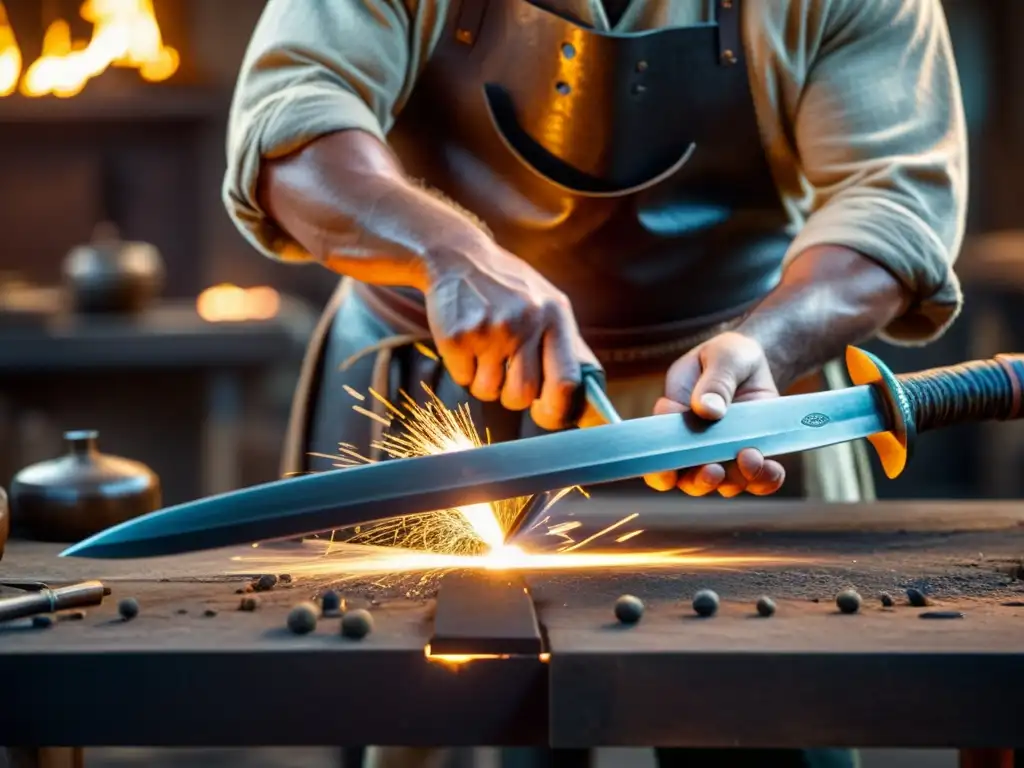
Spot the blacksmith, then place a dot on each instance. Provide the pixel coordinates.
(710, 198)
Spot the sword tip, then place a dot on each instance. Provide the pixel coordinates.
(81, 549)
(105, 545)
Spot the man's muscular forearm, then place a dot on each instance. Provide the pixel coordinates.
(345, 199)
(502, 330)
(829, 297)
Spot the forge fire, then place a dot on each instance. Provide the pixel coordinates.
(125, 34)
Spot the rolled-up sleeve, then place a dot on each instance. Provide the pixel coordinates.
(881, 139)
(315, 67)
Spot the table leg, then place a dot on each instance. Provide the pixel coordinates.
(351, 757)
(986, 758)
(222, 433)
(544, 757)
(45, 757)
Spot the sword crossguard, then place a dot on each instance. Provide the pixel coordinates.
(894, 447)
(982, 390)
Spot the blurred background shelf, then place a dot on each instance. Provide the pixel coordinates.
(206, 404)
(142, 103)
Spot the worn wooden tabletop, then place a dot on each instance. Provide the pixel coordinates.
(813, 665)
(964, 555)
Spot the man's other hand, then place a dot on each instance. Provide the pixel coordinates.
(729, 368)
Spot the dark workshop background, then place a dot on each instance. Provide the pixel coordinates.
(205, 403)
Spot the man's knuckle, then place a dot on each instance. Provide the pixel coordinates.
(522, 320)
(556, 305)
(533, 314)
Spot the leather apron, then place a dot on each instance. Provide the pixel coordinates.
(626, 168)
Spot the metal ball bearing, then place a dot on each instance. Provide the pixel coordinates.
(848, 601)
(705, 603)
(330, 602)
(302, 618)
(249, 603)
(629, 609)
(128, 608)
(356, 624)
(765, 607)
(917, 598)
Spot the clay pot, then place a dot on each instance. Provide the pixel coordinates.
(109, 275)
(81, 493)
(5, 522)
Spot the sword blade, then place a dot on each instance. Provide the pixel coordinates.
(341, 498)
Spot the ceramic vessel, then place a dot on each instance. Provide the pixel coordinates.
(109, 275)
(81, 493)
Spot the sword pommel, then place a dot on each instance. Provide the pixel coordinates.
(983, 390)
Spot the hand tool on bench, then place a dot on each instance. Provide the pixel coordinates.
(52, 599)
(889, 410)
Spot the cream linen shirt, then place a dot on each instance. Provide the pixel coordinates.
(858, 103)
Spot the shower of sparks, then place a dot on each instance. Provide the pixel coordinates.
(468, 537)
(423, 429)
(367, 561)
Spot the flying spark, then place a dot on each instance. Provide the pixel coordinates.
(468, 537)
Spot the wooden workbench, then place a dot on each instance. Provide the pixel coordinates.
(806, 677)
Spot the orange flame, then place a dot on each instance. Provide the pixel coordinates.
(125, 34)
(10, 56)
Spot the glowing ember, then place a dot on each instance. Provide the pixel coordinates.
(455, 660)
(125, 34)
(470, 537)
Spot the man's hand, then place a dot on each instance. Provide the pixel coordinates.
(505, 332)
(729, 368)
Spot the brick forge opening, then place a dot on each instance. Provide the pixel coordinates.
(122, 148)
(126, 149)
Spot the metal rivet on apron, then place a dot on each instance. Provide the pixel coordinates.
(568, 50)
(728, 56)
(641, 66)
(464, 36)
(639, 88)
(563, 88)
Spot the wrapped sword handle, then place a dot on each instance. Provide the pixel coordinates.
(982, 390)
